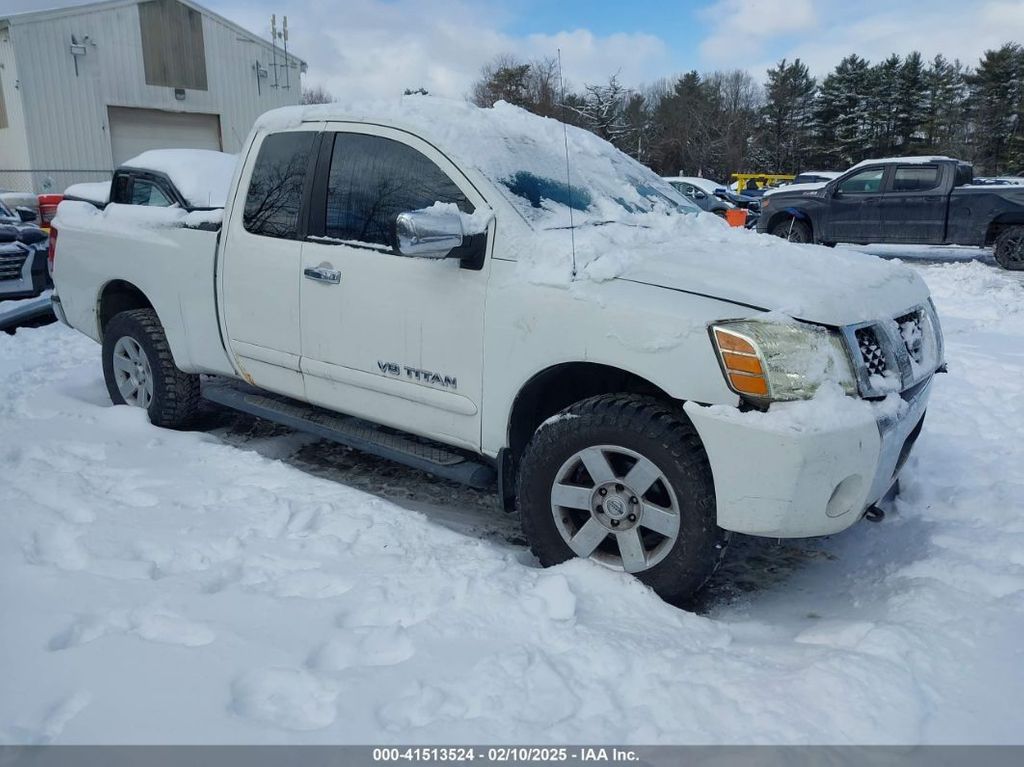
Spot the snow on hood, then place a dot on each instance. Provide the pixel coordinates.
(629, 222)
(202, 176)
(702, 254)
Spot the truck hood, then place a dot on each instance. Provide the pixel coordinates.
(703, 255)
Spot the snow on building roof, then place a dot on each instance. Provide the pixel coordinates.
(202, 176)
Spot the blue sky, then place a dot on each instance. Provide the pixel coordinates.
(361, 48)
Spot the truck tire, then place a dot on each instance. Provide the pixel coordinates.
(1009, 248)
(794, 230)
(624, 480)
(140, 371)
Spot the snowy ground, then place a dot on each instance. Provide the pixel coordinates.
(242, 583)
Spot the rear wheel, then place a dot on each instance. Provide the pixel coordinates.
(1009, 248)
(794, 230)
(140, 371)
(625, 481)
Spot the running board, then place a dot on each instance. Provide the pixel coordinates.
(433, 457)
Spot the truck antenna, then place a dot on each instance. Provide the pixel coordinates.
(568, 177)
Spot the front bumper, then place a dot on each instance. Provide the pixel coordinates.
(32, 278)
(812, 474)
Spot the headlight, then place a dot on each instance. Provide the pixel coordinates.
(773, 361)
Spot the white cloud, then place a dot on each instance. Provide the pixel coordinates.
(381, 47)
(870, 28)
(741, 28)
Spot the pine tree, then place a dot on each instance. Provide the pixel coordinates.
(841, 115)
(911, 92)
(943, 121)
(785, 138)
(995, 108)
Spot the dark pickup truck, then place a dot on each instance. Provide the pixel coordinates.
(924, 200)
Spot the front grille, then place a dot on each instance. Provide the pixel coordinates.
(912, 332)
(904, 350)
(871, 351)
(11, 266)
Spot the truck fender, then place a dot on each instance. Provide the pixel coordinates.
(796, 213)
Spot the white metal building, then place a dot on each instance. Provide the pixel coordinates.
(84, 88)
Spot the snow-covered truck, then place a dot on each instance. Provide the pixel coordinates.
(920, 200)
(434, 283)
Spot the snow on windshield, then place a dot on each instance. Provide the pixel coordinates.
(525, 155)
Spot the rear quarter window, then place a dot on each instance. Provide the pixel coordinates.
(274, 198)
(915, 178)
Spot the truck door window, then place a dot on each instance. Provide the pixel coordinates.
(915, 178)
(274, 198)
(373, 179)
(866, 181)
(147, 193)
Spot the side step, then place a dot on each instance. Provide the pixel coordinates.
(432, 457)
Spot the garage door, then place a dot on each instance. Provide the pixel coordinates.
(133, 131)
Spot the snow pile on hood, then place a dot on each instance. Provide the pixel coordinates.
(702, 254)
(202, 176)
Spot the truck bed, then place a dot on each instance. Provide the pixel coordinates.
(166, 253)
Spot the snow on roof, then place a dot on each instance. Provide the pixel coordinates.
(709, 185)
(202, 176)
(93, 191)
(822, 173)
(522, 153)
(906, 160)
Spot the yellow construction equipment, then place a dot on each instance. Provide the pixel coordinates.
(760, 180)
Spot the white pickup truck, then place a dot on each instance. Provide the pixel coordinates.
(497, 299)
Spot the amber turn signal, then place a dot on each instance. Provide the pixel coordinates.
(742, 363)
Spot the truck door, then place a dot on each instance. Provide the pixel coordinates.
(389, 337)
(915, 204)
(261, 266)
(854, 211)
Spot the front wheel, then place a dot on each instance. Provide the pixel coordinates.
(625, 481)
(1009, 248)
(794, 230)
(140, 371)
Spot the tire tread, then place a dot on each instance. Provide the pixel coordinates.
(176, 394)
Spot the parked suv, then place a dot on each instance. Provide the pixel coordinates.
(422, 283)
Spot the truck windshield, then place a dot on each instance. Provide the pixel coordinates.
(525, 156)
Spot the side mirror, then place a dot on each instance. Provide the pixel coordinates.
(428, 233)
(27, 215)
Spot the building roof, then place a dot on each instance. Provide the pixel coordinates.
(23, 17)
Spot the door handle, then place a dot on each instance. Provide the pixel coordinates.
(322, 274)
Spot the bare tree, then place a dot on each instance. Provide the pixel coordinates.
(318, 94)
